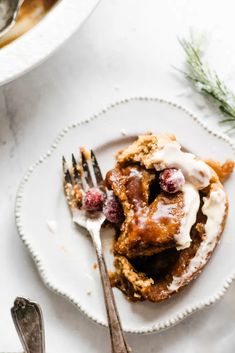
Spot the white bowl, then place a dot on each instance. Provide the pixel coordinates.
(37, 44)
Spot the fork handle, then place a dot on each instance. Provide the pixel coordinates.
(118, 342)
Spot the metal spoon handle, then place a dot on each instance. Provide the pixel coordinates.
(28, 320)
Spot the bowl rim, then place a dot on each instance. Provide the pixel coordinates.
(213, 298)
(36, 45)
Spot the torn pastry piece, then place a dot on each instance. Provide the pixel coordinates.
(222, 170)
(149, 226)
(171, 225)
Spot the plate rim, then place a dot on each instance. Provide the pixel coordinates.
(36, 258)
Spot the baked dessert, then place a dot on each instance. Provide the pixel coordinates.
(175, 209)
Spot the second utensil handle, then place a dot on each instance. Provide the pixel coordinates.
(118, 342)
(28, 320)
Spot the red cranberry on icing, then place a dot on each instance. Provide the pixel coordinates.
(171, 180)
(93, 200)
(113, 210)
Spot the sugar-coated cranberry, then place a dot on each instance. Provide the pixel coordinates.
(171, 180)
(93, 200)
(113, 209)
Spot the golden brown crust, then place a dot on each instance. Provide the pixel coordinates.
(222, 170)
(140, 150)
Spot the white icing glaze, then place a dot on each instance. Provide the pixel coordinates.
(191, 207)
(195, 171)
(214, 208)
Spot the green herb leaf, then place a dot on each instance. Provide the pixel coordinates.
(207, 81)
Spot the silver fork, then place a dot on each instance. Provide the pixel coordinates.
(77, 180)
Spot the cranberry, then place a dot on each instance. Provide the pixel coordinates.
(113, 209)
(93, 200)
(171, 180)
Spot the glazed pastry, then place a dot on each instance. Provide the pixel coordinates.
(175, 209)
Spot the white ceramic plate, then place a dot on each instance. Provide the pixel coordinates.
(37, 44)
(65, 258)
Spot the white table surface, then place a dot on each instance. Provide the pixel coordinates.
(126, 48)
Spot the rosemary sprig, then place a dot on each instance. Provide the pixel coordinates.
(208, 82)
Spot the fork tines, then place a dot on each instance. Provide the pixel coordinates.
(79, 175)
(85, 167)
(67, 175)
(76, 171)
(97, 171)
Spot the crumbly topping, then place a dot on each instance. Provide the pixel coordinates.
(140, 150)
